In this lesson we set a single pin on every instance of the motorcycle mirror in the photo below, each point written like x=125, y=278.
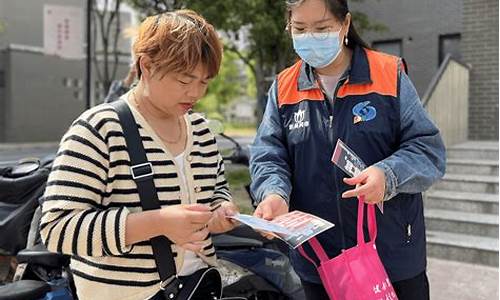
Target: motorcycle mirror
x=25, y=167
x=215, y=126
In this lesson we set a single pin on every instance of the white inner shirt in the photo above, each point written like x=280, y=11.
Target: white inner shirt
x=328, y=84
x=192, y=262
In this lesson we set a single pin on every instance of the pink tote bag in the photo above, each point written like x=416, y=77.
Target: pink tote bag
x=357, y=273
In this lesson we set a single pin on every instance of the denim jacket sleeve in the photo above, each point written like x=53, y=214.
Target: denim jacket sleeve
x=269, y=161
x=421, y=157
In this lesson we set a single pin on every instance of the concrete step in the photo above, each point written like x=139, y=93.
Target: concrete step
x=474, y=150
x=472, y=166
x=462, y=222
x=463, y=248
x=468, y=183
x=461, y=201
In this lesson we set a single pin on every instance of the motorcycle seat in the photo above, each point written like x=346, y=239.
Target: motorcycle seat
x=24, y=290
x=42, y=257
x=225, y=241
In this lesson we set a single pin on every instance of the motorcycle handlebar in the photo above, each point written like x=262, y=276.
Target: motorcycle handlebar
x=239, y=155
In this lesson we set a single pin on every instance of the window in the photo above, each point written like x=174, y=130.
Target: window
x=78, y=95
x=2, y=79
x=77, y=82
x=66, y=82
x=98, y=85
x=393, y=47
x=449, y=43
x=99, y=95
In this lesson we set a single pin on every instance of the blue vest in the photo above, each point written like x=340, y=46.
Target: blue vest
x=365, y=115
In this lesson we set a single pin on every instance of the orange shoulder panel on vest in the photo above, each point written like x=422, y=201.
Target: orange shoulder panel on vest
x=383, y=73
x=288, y=92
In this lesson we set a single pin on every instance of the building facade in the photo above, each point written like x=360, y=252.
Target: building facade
x=425, y=31
x=41, y=94
x=480, y=51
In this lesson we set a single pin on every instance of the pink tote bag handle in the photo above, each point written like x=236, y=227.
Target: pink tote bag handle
x=372, y=229
x=372, y=222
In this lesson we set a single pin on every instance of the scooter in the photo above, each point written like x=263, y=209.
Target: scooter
x=39, y=274
x=252, y=267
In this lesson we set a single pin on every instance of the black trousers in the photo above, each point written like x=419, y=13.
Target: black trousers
x=416, y=288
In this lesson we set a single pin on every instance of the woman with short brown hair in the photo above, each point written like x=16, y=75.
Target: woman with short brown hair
x=91, y=207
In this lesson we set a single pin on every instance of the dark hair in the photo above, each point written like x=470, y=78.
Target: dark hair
x=339, y=9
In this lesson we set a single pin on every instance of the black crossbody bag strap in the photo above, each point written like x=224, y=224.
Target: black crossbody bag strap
x=142, y=173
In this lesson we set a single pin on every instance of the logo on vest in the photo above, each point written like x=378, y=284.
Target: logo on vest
x=362, y=112
x=298, y=118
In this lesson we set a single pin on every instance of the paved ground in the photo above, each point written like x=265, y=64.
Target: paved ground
x=10, y=153
x=450, y=280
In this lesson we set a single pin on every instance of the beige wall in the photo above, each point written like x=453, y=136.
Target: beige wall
x=448, y=104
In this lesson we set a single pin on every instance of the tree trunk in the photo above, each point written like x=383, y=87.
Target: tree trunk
x=263, y=79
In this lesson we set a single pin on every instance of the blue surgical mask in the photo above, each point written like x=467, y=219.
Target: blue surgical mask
x=317, y=49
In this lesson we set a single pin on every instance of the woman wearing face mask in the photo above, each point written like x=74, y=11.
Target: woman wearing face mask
x=341, y=89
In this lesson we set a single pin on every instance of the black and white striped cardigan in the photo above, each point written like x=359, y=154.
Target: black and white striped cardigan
x=90, y=192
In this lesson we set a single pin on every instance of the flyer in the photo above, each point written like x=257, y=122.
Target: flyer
x=260, y=224
x=294, y=228
x=344, y=158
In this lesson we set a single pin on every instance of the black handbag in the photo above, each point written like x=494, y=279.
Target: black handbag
x=205, y=283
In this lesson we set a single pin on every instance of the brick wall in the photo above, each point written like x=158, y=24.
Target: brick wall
x=480, y=50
